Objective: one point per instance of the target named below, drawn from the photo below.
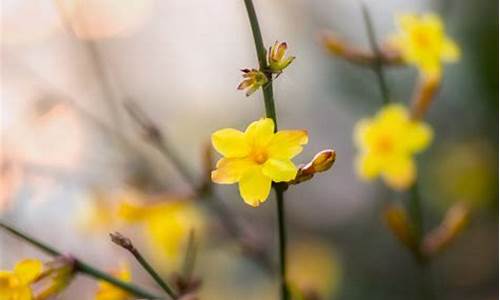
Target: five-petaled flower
(107, 291)
(257, 157)
(276, 57)
(423, 42)
(253, 80)
(16, 284)
(387, 144)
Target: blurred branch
(98, 65)
(338, 47)
(378, 63)
(81, 266)
(190, 257)
(126, 244)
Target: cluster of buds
(254, 79)
(321, 162)
(436, 240)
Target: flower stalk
(82, 267)
(271, 113)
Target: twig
(126, 243)
(81, 266)
(378, 63)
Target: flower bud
(253, 80)
(453, 223)
(57, 277)
(276, 57)
(398, 222)
(321, 162)
(424, 94)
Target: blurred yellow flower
(167, 223)
(314, 269)
(252, 80)
(98, 213)
(387, 144)
(276, 57)
(256, 157)
(16, 284)
(423, 42)
(107, 291)
(464, 172)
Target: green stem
(271, 113)
(261, 56)
(378, 65)
(282, 241)
(415, 210)
(144, 263)
(81, 266)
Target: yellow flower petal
(406, 21)
(28, 270)
(260, 133)
(107, 291)
(368, 166)
(363, 133)
(279, 169)
(131, 212)
(230, 170)
(450, 51)
(230, 143)
(393, 114)
(286, 144)
(400, 173)
(433, 23)
(419, 136)
(254, 187)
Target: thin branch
(261, 55)
(126, 244)
(81, 266)
(378, 64)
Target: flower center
(422, 38)
(260, 157)
(384, 145)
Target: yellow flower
(253, 80)
(387, 144)
(275, 57)
(16, 284)
(107, 291)
(256, 157)
(314, 269)
(422, 42)
(167, 223)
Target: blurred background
(75, 165)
